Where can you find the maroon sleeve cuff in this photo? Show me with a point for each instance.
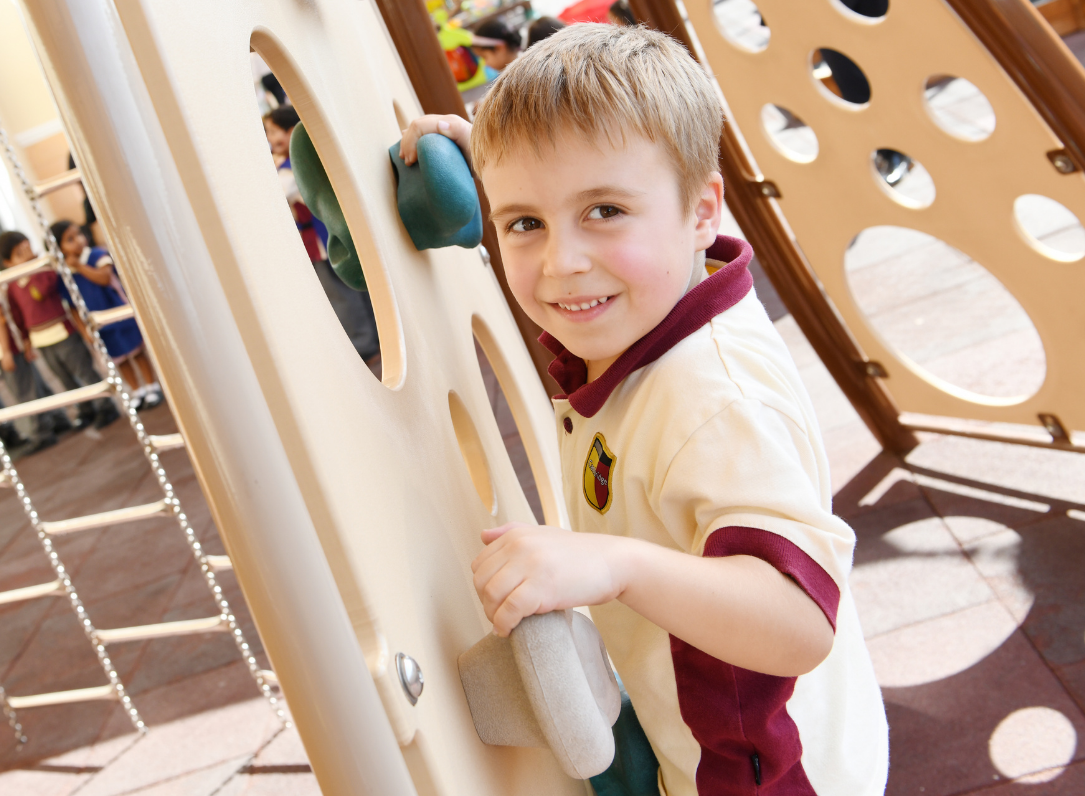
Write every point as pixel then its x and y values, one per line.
pixel 784 556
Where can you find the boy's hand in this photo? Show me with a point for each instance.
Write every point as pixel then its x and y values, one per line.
pixel 29 354
pixel 450 126
pixel 530 569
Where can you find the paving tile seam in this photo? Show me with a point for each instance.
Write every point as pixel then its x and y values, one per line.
pixel 248 763
pixel 935 617
pixel 1004 781
pixel 147 786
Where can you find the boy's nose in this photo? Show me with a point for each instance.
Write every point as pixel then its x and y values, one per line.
pixel 563 257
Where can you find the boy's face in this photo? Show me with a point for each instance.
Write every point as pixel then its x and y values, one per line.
pixel 596 241
pixel 20 254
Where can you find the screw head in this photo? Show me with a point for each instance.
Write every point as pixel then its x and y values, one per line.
pixel 1063 164
pixel 410 677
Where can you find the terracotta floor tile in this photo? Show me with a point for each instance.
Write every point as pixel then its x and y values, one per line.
pixel 203 782
pixel 41 783
pixel 1067 782
pixel 218 740
pixel 932 650
pixel 923 575
pixel 940 732
pixel 271 784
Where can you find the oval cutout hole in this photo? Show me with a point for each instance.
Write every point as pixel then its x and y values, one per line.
pixel 862 11
pixel 471 449
pixel 1050 227
pixel 510 414
pixel 959 108
pixel 904 179
pixel 370 319
pixel 741 23
pixel 945 313
pixel 789 134
pixel 839 77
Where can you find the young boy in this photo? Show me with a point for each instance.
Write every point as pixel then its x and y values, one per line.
pixel 38 313
pixel 692 462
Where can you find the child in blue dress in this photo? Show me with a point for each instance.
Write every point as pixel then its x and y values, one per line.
pixel 102 290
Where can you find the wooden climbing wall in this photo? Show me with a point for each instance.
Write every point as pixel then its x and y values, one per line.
pixel 984 189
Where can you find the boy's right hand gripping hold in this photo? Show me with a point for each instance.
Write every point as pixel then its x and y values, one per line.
pixel 450 126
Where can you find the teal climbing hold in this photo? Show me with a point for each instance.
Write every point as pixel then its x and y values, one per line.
pixel 436 196
pixel 635 767
pixel 317 193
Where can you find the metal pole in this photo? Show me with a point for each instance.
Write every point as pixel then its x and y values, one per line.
pixel 213 389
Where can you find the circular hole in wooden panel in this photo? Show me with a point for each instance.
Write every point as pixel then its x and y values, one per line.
pixel 959 108
pixel 903 178
pixel 741 24
pixel 1050 227
pixel 839 78
pixel 510 413
pixel 471 450
pixel 370 319
pixel 865 11
pixel 789 134
pixel 945 313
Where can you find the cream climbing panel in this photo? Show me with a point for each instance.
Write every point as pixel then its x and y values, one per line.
pixel 399 476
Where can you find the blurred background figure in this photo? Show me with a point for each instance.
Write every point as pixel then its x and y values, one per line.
pixel 496 43
pixel 619 13
pixel 101 288
pixel 353 308
pixel 542 28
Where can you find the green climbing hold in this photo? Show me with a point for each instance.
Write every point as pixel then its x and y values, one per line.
pixel 437 199
pixel 316 191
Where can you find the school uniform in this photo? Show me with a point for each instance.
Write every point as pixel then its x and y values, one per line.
pixel 122 339
pixel 701 438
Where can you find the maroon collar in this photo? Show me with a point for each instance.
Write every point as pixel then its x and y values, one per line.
pixel 719 292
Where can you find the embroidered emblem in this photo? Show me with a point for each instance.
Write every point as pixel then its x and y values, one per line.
pixel 598 472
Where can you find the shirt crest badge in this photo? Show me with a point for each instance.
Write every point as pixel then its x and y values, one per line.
pixel 598 473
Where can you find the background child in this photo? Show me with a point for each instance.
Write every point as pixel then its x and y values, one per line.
pixel 692 463
pixel 101 289
pixel 353 308
pixel 38 312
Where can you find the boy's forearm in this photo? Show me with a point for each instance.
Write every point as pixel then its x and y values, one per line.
pixel 738 609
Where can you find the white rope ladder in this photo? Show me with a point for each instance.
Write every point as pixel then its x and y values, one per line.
pixel 169 505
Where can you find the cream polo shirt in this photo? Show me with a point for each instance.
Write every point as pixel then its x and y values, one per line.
pixel 701 438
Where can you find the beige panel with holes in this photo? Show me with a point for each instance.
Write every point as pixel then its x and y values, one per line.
pixel 952 262
pixel 392 472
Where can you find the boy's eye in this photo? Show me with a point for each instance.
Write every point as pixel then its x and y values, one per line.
pixel 604 212
pixel 525 225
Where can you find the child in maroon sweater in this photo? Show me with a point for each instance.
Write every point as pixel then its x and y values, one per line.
pixel 40 316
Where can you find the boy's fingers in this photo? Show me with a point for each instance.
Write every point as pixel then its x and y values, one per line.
pixel 491 534
pixel 523 601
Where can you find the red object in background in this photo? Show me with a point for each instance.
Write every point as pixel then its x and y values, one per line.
pixel 586 11
pixel 463 62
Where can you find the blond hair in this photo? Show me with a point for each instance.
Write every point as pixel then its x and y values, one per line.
pixel 594 79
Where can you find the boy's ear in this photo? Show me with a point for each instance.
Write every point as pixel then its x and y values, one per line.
pixel 708 211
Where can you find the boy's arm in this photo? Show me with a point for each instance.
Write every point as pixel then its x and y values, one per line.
pixel 746 489
pixel 738 609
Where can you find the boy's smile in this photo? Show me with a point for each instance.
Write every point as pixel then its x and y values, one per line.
pixel 596 240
